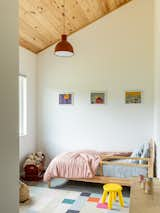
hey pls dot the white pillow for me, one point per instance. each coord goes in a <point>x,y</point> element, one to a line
<point>145,154</point>
<point>137,154</point>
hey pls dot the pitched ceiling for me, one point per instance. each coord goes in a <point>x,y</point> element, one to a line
<point>41,21</point>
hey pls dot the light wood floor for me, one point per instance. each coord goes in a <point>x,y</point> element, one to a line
<point>76,186</point>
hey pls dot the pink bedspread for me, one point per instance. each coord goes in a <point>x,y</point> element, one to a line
<point>82,164</point>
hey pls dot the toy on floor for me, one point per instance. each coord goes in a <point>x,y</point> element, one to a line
<point>24,196</point>
<point>113,190</point>
<point>34,166</point>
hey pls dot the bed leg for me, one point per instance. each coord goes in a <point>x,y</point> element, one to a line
<point>49,184</point>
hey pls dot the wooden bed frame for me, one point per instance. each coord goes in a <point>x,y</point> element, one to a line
<point>123,181</point>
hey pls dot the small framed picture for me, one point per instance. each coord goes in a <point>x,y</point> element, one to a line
<point>97,97</point>
<point>66,98</point>
<point>133,97</point>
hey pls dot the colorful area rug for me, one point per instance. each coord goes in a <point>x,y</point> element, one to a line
<point>44,200</point>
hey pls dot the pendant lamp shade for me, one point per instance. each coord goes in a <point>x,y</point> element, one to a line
<point>64,48</point>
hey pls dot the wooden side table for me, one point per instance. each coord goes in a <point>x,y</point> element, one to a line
<point>145,203</point>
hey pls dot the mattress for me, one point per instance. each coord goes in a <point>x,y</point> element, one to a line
<point>123,171</point>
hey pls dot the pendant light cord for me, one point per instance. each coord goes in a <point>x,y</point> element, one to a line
<point>64,14</point>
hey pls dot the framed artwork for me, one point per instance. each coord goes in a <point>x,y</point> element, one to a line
<point>97,98</point>
<point>66,98</point>
<point>133,97</point>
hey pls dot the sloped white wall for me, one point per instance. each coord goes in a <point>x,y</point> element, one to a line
<point>28,67</point>
<point>114,54</point>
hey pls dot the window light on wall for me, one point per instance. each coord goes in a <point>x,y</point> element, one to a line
<point>22,105</point>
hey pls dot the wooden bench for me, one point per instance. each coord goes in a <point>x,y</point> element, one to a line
<point>141,202</point>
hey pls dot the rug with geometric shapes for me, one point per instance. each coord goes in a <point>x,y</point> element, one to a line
<point>44,200</point>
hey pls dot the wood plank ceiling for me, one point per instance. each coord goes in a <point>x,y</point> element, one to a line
<point>41,21</point>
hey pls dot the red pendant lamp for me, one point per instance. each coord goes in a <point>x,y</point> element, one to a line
<point>64,48</point>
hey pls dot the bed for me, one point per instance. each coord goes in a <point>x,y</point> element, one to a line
<point>121,169</point>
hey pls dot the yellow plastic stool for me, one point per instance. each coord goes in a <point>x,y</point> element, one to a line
<point>112,190</point>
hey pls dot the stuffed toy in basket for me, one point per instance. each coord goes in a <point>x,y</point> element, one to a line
<point>34,166</point>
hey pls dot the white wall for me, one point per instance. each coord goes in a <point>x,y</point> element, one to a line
<point>28,66</point>
<point>157,81</point>
<point>114,54</point>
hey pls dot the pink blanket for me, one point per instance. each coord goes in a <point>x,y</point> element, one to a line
<point>82,164</point>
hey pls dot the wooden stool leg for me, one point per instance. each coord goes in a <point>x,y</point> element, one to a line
<point>121,198</point>
<point>115,195</point>
<point>110,200</point>
<point>104,196</point>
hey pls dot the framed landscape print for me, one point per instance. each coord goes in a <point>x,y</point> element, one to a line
<point>133,97</point>
<point>66,98</point>
<point>97,97</point>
